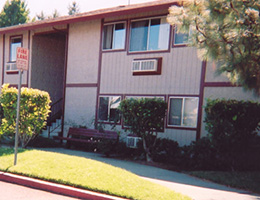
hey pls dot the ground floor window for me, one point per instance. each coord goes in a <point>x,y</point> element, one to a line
<point>108,108</point>
<point>183,111</point>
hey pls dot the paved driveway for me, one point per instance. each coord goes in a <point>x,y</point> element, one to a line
<point>196,188</point>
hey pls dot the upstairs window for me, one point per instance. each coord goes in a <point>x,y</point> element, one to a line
<point>181,38</point>
<point>114,36</point>
<point>183,111</point>
<point>108,111</point>
<point>149,35</point>
<point>14,43</point>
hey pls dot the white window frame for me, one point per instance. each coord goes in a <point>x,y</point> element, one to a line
<point>109,100</point>
<point>182,111</point>
<point>148,35</point>
<point>113,39</point>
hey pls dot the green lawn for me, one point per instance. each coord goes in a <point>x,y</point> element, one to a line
<point>243,180</point>
<point>84,173</point>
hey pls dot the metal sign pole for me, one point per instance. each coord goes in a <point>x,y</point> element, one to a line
<point>17,117</point>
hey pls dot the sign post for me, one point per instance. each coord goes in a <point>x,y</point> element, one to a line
<point>22,60</point>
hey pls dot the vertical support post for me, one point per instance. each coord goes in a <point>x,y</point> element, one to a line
<point>17,117</point>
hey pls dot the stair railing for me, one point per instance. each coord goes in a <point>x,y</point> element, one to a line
<point>56,113</point>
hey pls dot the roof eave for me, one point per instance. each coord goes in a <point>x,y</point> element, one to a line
<point>44,24</point>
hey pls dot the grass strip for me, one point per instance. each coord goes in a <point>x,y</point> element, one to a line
<point>84,173</point>
<point>242,180</point>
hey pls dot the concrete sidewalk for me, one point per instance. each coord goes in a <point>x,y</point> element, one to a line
<point>196,188</point>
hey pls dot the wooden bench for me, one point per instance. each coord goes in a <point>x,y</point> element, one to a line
<point>90,136</point>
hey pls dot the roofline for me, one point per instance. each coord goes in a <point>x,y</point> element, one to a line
<point>93,15</point>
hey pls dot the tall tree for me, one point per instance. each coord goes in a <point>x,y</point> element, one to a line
<point>55,14</point>
<point>13,13</point>
<point>74,8</point>
<point>41,16</point>
<point>227,32</point>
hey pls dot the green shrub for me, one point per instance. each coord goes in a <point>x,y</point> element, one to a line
<point>166,151</point>
<point>41,142</point>
<point>231,125</point>
<point>199,155</point>
<point>145,118</point>
<point>34,110</point>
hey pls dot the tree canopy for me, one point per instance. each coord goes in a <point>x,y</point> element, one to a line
<point>14,12</point>
<point>73,8</point>
<point>145,118</point>
<point>226,32</point>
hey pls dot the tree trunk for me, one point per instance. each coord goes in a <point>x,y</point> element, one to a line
<point>147,152</point>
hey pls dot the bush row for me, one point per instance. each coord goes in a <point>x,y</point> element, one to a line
<point>231,144</point>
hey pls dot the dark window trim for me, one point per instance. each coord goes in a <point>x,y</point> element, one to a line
<point>167,116</point>
<point>144,73</point>
<point>102,39</point>
<point>148,51</point>
<point>173,38</point>
<point>10,43</point>
<point>12,72</point>
<point>107,95</point>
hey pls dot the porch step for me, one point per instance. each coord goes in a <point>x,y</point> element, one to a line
<point>54,129</point>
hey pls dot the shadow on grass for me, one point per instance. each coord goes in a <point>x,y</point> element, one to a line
<point>147,171</point>
<point>5,151</point>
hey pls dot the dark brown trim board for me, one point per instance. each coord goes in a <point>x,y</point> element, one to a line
<point>99,70</point>
<point>64,31</point>
<point>81,85</point>
<point>93,15</point>
<point>29,47</point>
<point>16,86</point>
<point>201,98</point>
<point>12,72</point>
<point>65,78</point>
<point>220,84</point>
<point>3,60</point>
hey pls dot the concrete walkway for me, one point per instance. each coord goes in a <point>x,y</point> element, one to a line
<point>196,188</point>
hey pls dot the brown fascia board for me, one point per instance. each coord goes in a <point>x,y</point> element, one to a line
<point>92,15</point>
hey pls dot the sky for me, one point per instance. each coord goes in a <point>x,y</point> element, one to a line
<point>48,6</point>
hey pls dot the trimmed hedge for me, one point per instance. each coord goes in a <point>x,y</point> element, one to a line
<point>34,110</point>
<point>232,126</point>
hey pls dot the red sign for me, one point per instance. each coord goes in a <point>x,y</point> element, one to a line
<point>22,58</point>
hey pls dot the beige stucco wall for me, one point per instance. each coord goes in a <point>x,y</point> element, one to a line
<point>83,52</point>
<point>83,61</point>
<point>212,76</point>
<point>181,71</point>
<point>14,78</point>
<point>80,106</point>
<point>48,56</point>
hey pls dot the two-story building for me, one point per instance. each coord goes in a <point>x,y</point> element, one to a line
<point>89,62</point>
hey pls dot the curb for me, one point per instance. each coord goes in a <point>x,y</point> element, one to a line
<point>55,188</point>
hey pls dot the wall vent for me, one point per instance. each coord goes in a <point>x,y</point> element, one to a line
<point>131,141</point>
<point>145,65</point>
<point>10,67</point>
